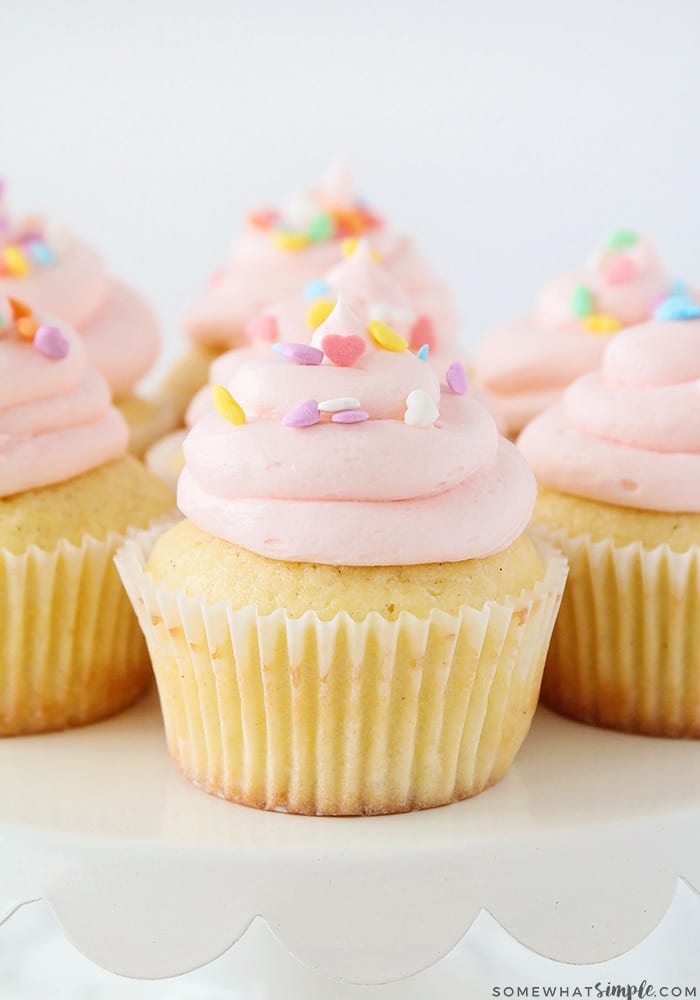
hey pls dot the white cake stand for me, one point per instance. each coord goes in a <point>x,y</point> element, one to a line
<point>576,853</point>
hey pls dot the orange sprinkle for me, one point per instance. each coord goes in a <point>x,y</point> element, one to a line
<point>19,308</point>
<point>27,327</point>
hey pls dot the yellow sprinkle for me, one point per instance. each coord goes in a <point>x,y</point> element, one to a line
<point>226,406</point>
<point>385,337</point>
<point>601,323</point>
<point>349,246</point>
<point>15,261</point>
<point>318,312</point>
<point>290,241</point>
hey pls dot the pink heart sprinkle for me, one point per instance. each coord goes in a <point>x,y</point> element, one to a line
<point>620,270</point>
<point>49,341</point>
<point>422,332</point>
<point>343,351</point>
<point>304,414</point>
<point>456,378</point>
<point>262,327</point>
<point>300,354</point>
<point>350,416</point>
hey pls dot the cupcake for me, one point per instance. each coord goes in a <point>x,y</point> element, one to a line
<point>526,364</point>
<point>45,264</point>
<point>618,461</point>
<point>281,252</point>
<point>70,647</point>
<point>350,619</point>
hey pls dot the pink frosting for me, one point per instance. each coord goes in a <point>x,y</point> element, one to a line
<point>56,418</point>
<point>526,364</point>
<point>380,492</point>
<point>119,327</point>
<point>629,434</point>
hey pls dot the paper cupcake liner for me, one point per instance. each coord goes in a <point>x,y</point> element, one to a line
<point>71,650</point>
<point>625,652</point>
<point>342,717</point>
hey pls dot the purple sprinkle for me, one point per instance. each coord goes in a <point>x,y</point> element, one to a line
<point>350,416</point>
<point>456,378</point>
<point>304,414</point>
<point>49,341</point>
<point>299,354</point>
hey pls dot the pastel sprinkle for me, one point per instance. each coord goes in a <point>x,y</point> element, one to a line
<point>304,414</point>
<point>316,289</point>
<point>622,239</point>
<point>620,270</point>
<point>343,351</point>
<point>27,326</point>
<point>677,307</point>
<point>226,406</point>
<point>290,241</point>
<point>456,378</point>
<point>350,246</point>
<point>322,227</point>
<point>263,218</point>
<point>421,411</point>
<point>350,417</point>
<point>581,301</point>
<point>318,312</point>
<point>601,323</point>
<point>19,308</point>
<point>387,338</point>
<point>40,252</point>
<point>262,327</point>
<point>422,332</point>
<point>50,342</point>
<point>678,287</point>
<point>299,354</point>
<point>423,352</point>
<point>15,261</point>
<point>336,405</point>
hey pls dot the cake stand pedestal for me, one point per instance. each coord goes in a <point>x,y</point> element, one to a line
<point>576,853</point>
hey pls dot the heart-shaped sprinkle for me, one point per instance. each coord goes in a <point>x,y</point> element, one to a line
<point>299,354</point>
<point>316,289</point>
<point>40,252</point>
<point>456,378</point>
<point>677,307</point>
<point>321,227</point>
<point>19,308</point>
<point>226,406</point>
<point>15,261</point>
<point>27,326</point>
<point>263,218</point>
<point>286,240</point>
<point>622,239</point>
<point>318,312</point>
<point>335,405</point>
<point>386,338</point>
<point>343,351</point>
<point>422,332</point>
<point>262,327</point>
<point>423,352</point>
<point>304,414</point>
<point>601,323</point>
<point>620,270</point>
<point>581,301</point>
<point>50,342</point>
<point>421,411</point>
<point>350,417</point>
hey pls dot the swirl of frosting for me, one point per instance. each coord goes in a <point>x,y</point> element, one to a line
<point>527,363</point>
<point>56,417</point>
<point>45,264</point>
<point>629,434</point>
<point>377,466</point>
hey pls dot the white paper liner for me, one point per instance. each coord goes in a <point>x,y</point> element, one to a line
<point>342,717</point>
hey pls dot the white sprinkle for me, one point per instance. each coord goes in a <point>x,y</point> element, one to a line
<point>336,405</point>
<point>384,312</point>
<point>421,411</point>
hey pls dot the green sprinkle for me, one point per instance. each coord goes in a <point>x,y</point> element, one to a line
<point>321,228</point>
<point>582,301</point>
<point>622,239</point>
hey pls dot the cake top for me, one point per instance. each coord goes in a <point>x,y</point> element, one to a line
<point>56,418</point>
<point>347,450</point>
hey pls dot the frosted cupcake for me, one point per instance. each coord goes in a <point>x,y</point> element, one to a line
<point>350,619</point>
<point>70,648</point>
<point>525,365</point>
<point>45,264</point>
<point>619,463</point>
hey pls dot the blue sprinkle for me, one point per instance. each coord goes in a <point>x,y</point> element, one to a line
<point>677,307</point>
<point>423,352</point>
<point>40,252</point>
<point>277,348</point>
<point>678,287</point>
<point>316,289</point>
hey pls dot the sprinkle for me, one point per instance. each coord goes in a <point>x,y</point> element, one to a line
<point>581,301</point>
<point>601,323</point>
<point>622,239</point>
<point>50,341</point>
<point>226,406</point>
<point>40,252</point>
<point>343,351</point>
<point>319,312</point>
<point>386,313</point>
<point>422,332</point>
<point>263,218</point>
<point>262,327</point>
<point>15,261</point>
<point>385,337</point>
<point>350,246</point>
<point>316,289</point>
<point>27,326</point>
<point>678,287</point>
<point>302,415</point>
<point>290,241</point>
<point>336,405</point>
<point>299,354</point>
<point>5,314</point>
<point>322,227</point>
<point>19,308</point>
<point>456,378</point>
<point>620,270</point>
<point>677,307</point>
<point>350,417</point>
<point>421,411</point>
<point>423,352</point>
